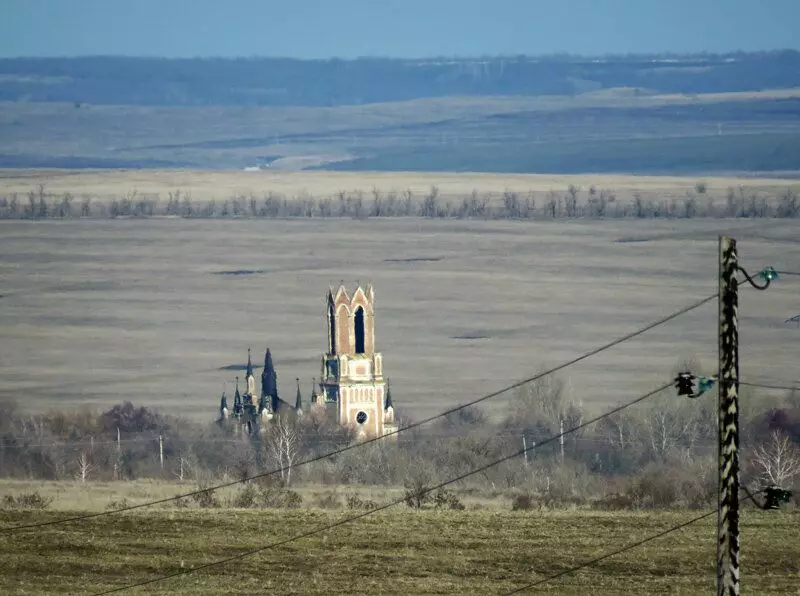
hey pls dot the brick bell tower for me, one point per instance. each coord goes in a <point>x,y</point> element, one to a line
<point>352,371</point>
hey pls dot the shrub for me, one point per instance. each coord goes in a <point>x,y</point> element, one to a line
<point>356,502</point>
<point>327,500</point>
<point>447,499</point>
<point>522,502</point>
<point>32,500</point>
<point>246,498</point>
<point>121,504</point>
<point>205,499</point>
<point>280,498</point>
<point>416,496</point>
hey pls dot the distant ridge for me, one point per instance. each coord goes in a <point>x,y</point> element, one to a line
<point>336,82</point>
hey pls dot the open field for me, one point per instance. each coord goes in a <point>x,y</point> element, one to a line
<point>203,186</point>
<point>611,130</point>
<point>398,551</point>
<point>153,311</point>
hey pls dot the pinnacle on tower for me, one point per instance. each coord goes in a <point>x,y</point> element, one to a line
<point>223,405</point>
<point>388,401</point>
<point>249,365</point>
<point>298,402</point>
<point>314,395</point>
<point>237,399</point>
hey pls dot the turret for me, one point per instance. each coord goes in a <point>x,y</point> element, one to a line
<point>237,400</point>
<point>298,402</point>
<point>223,406</point>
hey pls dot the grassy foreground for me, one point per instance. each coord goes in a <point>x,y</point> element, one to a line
<point>394,552</point>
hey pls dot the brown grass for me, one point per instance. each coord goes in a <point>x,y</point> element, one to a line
<point>94,312</point>
<point>221,185</point>
<point>394,552</point>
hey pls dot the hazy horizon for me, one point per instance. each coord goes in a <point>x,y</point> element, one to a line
<point>316,29</point>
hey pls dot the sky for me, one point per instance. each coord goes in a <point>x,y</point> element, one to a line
<point>395,28</point>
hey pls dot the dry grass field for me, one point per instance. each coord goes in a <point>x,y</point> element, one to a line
<point>94,312</point>
<point>398,551</point>
<point>203,186</point>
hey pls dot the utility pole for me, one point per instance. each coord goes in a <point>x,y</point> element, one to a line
<point>561,440</point>
<point>161,450</point>
<point>728,448</point>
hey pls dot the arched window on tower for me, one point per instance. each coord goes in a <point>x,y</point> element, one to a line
<point>332,330</point>
<point>359,328</point>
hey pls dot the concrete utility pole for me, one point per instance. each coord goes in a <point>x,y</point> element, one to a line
<point>561,430</point>
<point>161,450</point>
<point>728,498</point>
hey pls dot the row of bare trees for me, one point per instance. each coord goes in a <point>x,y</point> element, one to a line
<point>572,203</point>
<point>658,453</point>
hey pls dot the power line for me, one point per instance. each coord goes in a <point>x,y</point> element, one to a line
<point>369,441</point>
<point>623,549</point>
<point>770,386</point>
<point>426,491</point>
<point>611,554</point>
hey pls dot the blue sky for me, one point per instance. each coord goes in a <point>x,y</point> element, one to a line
<point>407,28</point>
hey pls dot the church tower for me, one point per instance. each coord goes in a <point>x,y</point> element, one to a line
<point>352,371</point>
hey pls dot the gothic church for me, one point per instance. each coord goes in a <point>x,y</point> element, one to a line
<point>352,386</point>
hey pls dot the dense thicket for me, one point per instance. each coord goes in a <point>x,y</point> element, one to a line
<point>290,82</point>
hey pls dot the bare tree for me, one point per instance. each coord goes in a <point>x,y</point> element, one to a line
<point>84,466</point>
<point>777,460</point>
<point>282,445</point>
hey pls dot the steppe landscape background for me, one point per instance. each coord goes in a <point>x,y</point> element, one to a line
<point>153,310</point>
<point>160,216</point>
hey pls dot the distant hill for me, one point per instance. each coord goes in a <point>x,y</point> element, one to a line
<point>289,82</point>
<point>737,113</point>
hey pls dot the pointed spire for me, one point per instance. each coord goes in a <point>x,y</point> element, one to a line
<point>237,399</point>
<point>388,401</point>
<point>223,402</point>
<point>298,402</point>
<point>314,390</point>
<point>269,378</point>
<point>249,365</point>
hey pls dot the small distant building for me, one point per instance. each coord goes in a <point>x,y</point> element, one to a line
<point>352,388</point>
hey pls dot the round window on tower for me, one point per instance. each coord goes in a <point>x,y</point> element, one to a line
<point>361,417</point>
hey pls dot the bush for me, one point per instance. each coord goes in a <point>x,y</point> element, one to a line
<point>356,502</point>
<point>327,500</point>
<point>205,499</point>
<point>522,502</point>
<point>447,499</point>
<point>279,498</point>
<point>121,504</point>
<point>32,500</point>
<point>416,496</point>
<point>246,498</point>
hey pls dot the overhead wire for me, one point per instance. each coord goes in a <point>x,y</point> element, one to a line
<point>372,440</point>
<point>626,548</point>
<point>394,503</point>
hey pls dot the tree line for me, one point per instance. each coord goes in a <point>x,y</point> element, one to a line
<point>575,202</point>
<point>658,454</point>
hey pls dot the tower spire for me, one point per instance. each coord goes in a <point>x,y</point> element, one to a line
<point>249,365</point>
<point>298,402</point>
<point>237,399</point>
